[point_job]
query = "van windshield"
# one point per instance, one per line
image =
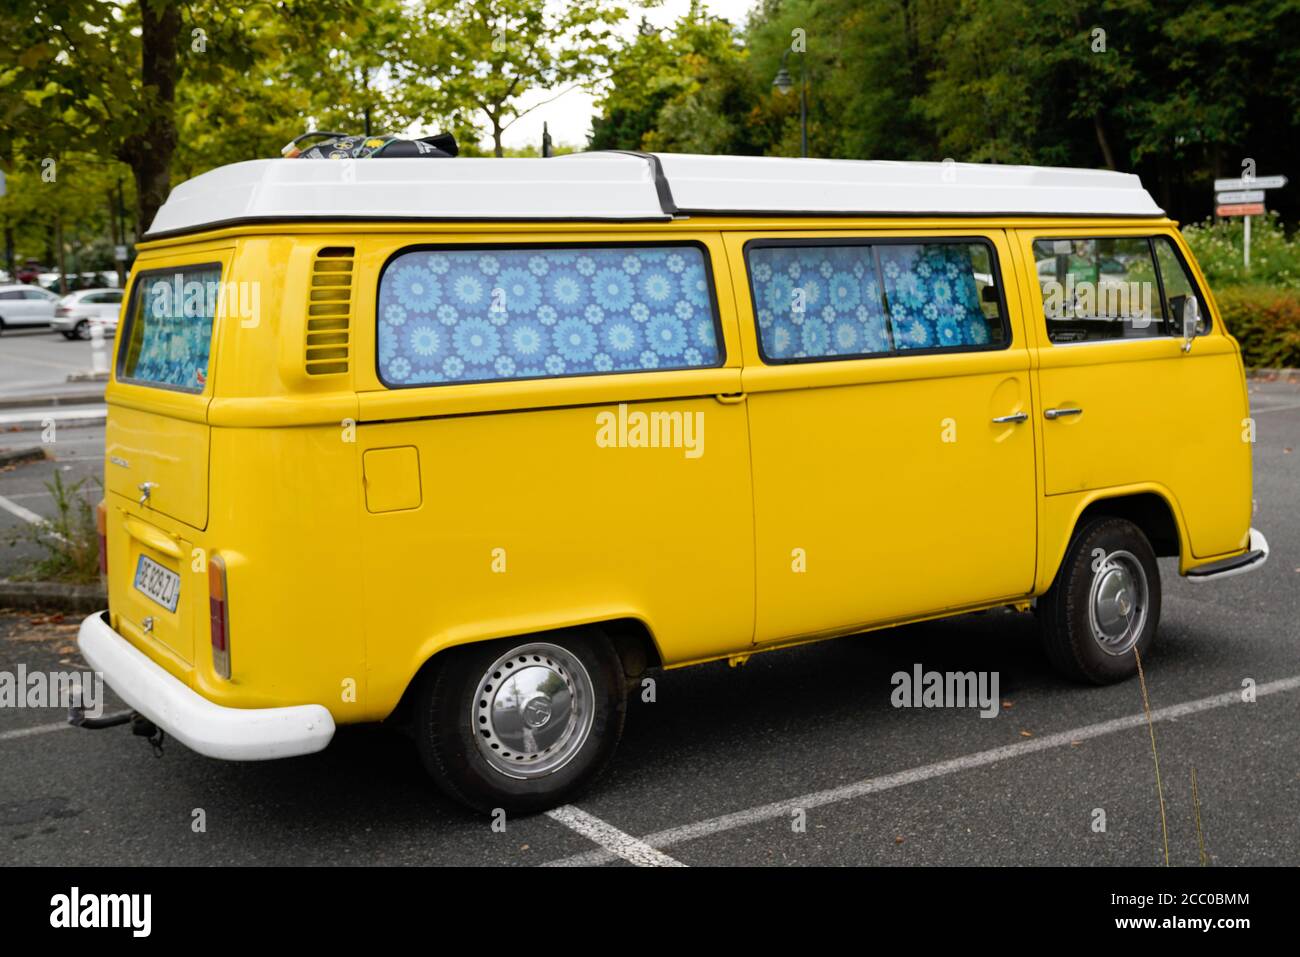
(169, 332)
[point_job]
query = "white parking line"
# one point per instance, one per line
(28, 732)
(615, 842)
(847, 792)
(26, 514)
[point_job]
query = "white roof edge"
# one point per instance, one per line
(846, 187)
(616, 186)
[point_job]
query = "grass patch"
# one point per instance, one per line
(69, 542)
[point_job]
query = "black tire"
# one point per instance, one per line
(2, 327)
(1081, 642)
(69, 335)
(81, 330)
(451, 695)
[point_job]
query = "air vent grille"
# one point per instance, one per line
(329, 312)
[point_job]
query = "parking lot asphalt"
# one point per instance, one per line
(39, 361)
(726, 762)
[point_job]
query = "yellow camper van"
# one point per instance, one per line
(475, 443)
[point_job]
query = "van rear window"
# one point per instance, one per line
(169, 328)
(493, 313)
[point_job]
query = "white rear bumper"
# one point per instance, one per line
(234, 734)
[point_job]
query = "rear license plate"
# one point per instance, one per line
(160, 584)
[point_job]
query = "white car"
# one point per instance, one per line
(23, 305)
(78, 311)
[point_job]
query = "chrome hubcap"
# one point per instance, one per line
(533, 710)
(1117, 605)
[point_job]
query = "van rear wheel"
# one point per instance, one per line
(1104, 604)
(522, 725)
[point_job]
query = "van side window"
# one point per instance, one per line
(1179, 287)
(495, 313)
(1099, 289)
(853, 300)
(169, 328)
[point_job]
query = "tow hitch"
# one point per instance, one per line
(140, 725)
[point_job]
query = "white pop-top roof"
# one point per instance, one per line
(635, 186)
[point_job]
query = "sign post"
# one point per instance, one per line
(1244, 196)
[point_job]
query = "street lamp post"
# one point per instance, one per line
(783, 84)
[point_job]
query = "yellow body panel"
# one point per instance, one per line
(1151, 414)
(880, 483)
(365, 530)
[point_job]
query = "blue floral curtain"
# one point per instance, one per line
(825, 301)
(465, 315)
(817, 301)
(171, 330)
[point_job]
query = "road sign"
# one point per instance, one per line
(1241, 196)
(1256, 182)
(119, 252)
(1240, 209)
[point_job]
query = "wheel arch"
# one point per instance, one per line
(633, 640)
(1151, 508)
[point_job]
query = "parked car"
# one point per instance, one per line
(77, 282)
(78, 311)
(22, 305)
(325, 442)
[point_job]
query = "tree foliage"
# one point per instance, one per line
(1179, 92)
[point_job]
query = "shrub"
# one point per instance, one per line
(1274, 258)
(1266, 321)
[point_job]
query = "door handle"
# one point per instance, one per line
(1061, 413)
(730, 398)
(1016, 417)
(146, 491)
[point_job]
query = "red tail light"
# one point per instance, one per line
(219, 616)
(101, 529)
(62, 311)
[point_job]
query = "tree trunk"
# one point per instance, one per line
(63, 265)
(7, 164)
(149, 152)
(1103, 142)
(115, 231)
(11, 265)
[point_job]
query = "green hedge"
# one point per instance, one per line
(1266, 321)
(1274, 256)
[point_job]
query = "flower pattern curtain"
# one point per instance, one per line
(171, 330)
(461, 315)
(825, 301)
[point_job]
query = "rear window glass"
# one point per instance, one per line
(169, 334)
(489, 314)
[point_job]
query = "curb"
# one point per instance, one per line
(40, 596)
(36, 423)
(60, 398)
(1271, 374)
(35, 453)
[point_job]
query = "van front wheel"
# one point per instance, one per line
(1104, 605)
(521, 725)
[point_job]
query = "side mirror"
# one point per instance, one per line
(1191, 321)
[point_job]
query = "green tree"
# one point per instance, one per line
(685, 89)
(482, 59)
(103, 78)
